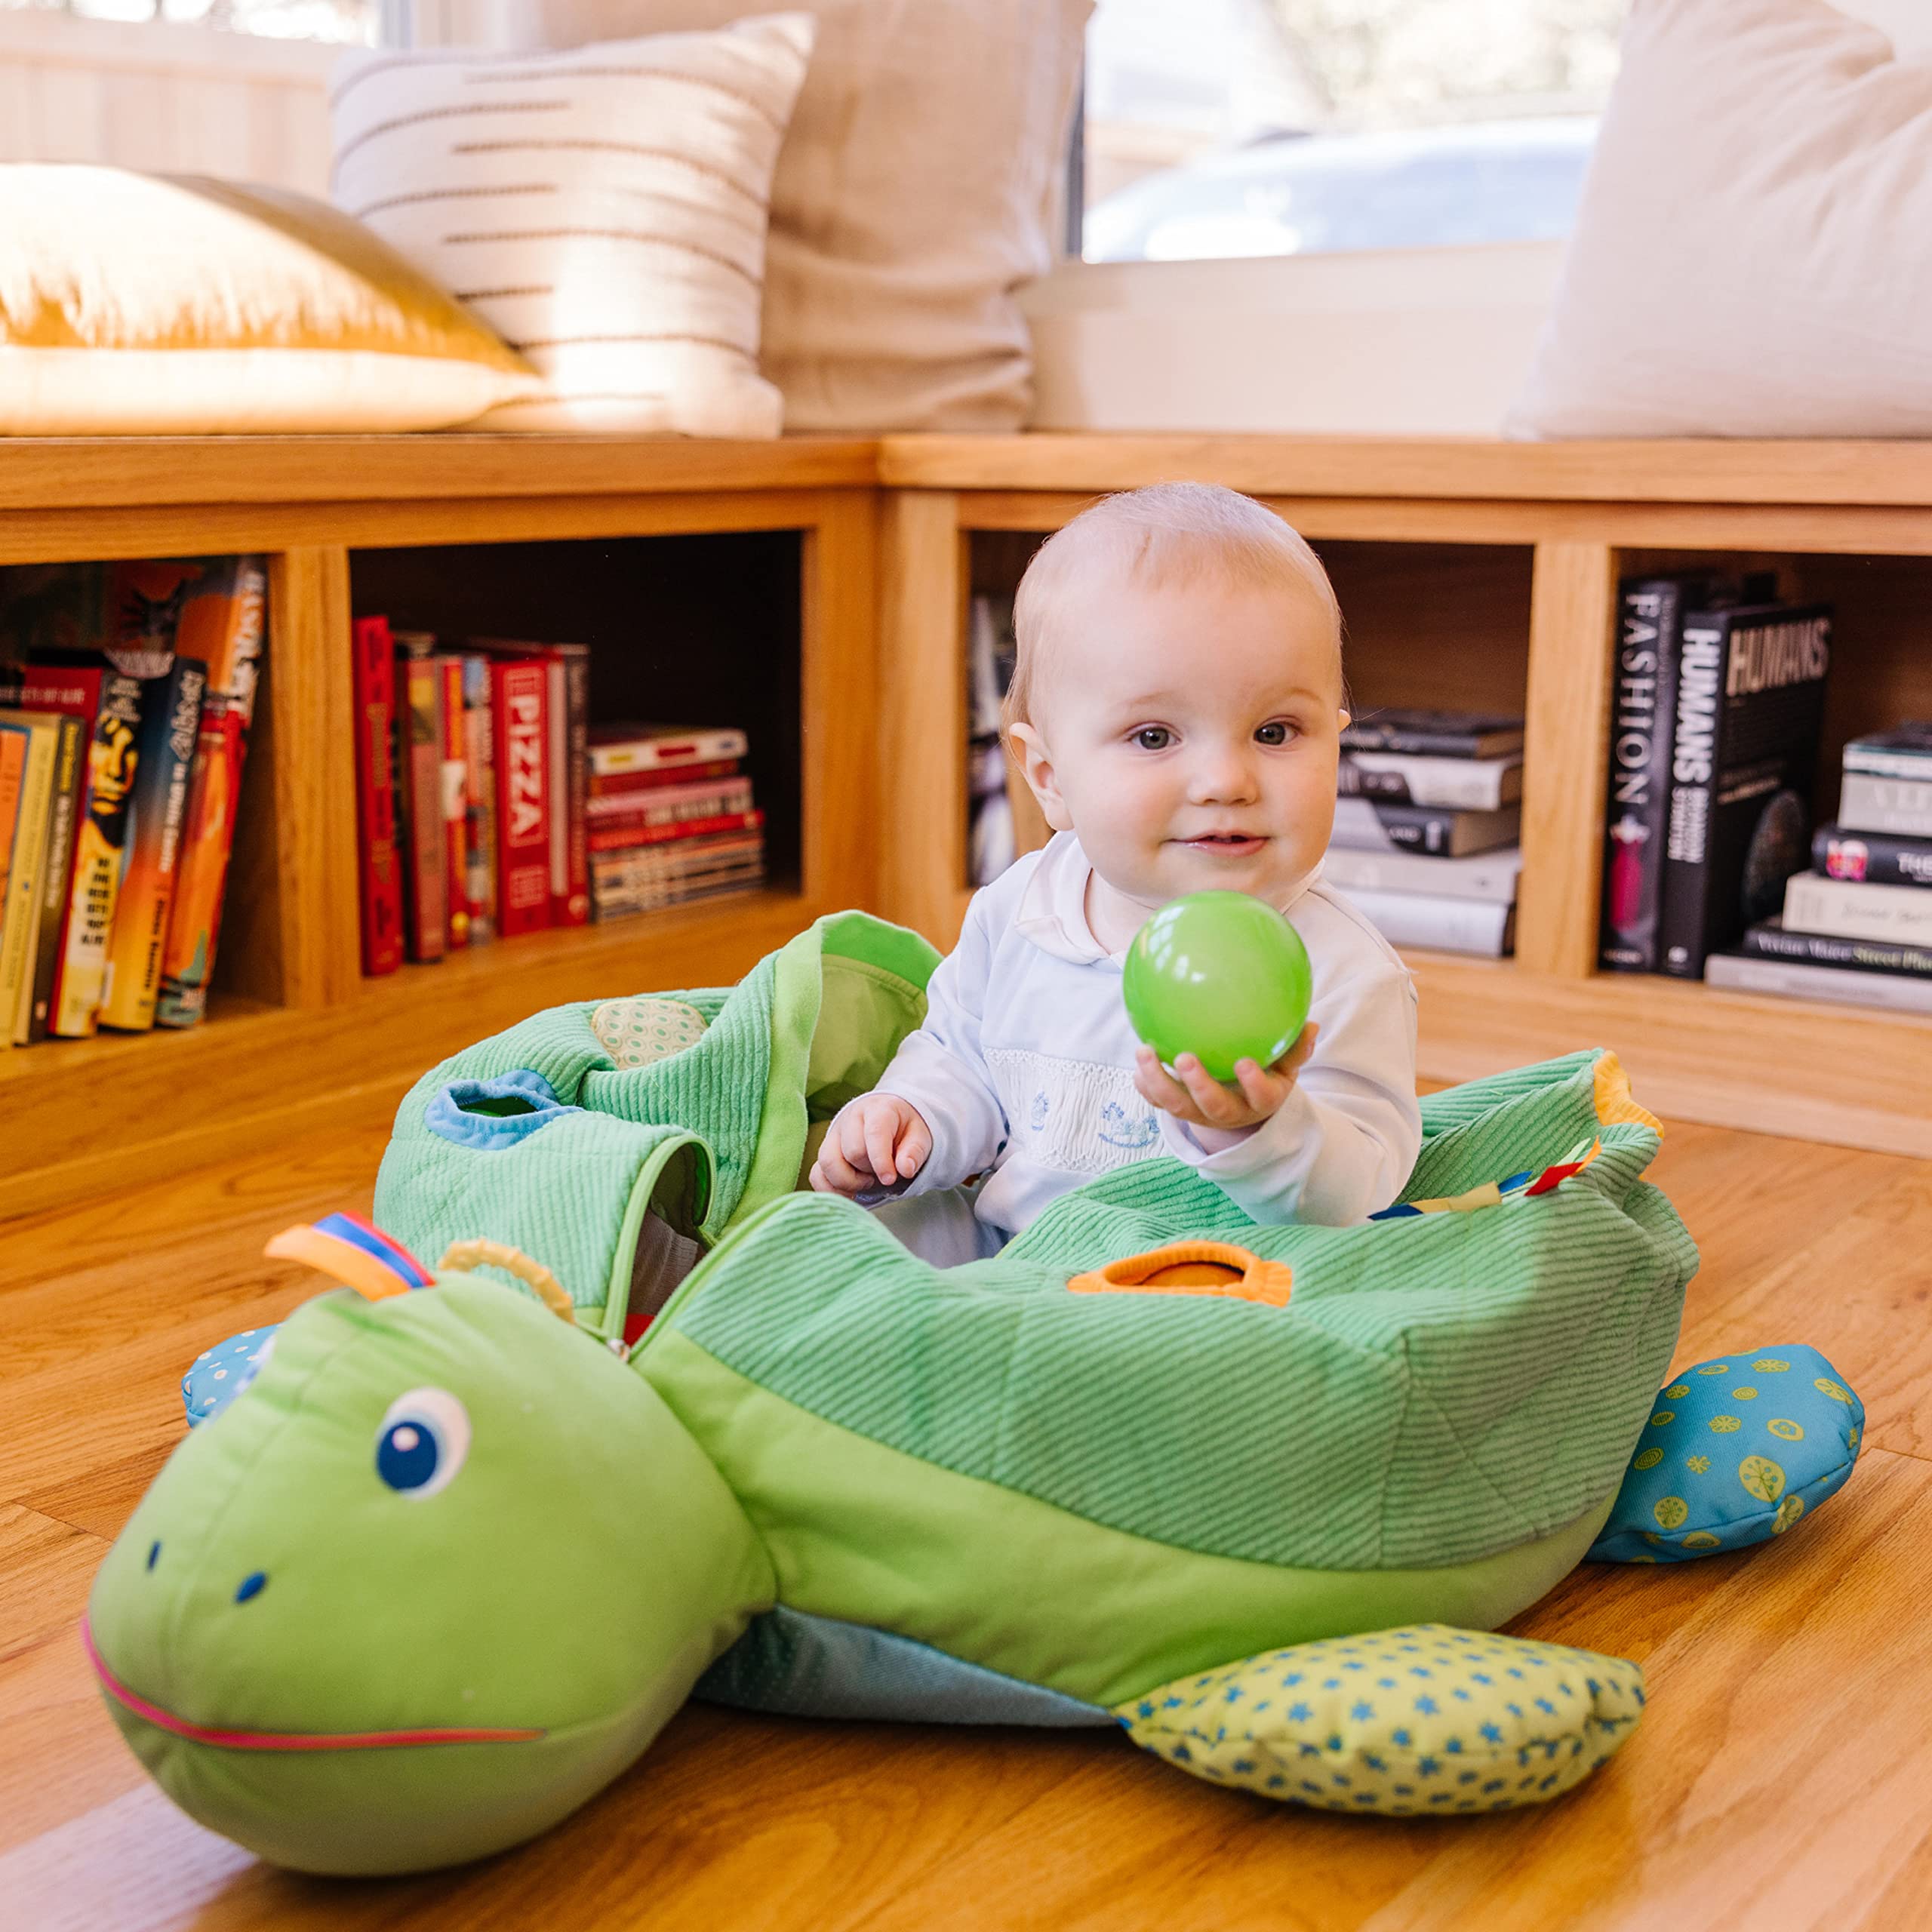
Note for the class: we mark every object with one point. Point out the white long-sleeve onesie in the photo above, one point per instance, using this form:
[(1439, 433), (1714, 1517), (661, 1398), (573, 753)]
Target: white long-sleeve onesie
[(1025, 1064)]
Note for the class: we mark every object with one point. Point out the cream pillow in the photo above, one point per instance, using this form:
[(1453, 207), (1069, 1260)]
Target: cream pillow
[(159, 305), (604, 209), (914, 194), (1749, 257)]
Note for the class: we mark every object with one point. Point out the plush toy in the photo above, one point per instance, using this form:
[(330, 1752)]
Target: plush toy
[(453, 1554)]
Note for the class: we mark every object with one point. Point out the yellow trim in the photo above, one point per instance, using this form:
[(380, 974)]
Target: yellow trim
[(1193, 1268), (1615, 1102), (341, 1260), (464, 1257)]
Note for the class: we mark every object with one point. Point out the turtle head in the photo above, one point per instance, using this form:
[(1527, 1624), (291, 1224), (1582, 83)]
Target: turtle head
[(439, 1574)]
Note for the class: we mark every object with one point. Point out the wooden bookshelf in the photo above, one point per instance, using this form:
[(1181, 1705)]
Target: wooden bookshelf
[(1470, 572), (1483, 574), (296, 1043)]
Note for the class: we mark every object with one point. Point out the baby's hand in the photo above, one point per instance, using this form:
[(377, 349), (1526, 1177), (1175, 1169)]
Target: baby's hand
[(1199, 1099), (876, 1141)]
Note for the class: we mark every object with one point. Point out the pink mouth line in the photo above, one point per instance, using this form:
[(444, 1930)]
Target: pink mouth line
[(284, 1740)]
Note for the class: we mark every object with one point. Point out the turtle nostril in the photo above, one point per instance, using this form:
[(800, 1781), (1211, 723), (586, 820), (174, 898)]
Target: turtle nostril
[(251, 1585), (154, 1552)]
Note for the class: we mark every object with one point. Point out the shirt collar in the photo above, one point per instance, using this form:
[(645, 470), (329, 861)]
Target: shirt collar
[(1053, 905)]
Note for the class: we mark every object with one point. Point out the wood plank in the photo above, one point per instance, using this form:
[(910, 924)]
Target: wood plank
[(1732, 1059), (290, 931), (840, 718), (921, 772), (1776, 1780), (83, 472), (1565, 756), (1659, 471), (251, 1074), (53, 535)]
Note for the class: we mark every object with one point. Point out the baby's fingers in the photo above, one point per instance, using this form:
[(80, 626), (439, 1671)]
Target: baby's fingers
[(885, 1123), (1158, 1087), (915, 1143), (1292, 1062), (1217, 1106), (832, 1174)]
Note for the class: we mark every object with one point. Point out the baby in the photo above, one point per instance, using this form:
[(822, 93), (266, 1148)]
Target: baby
[(1176, 704)]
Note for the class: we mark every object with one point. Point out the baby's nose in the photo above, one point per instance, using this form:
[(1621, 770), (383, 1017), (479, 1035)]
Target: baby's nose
[(1228, 779)]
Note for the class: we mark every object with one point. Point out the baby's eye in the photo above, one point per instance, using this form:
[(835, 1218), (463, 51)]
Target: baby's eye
[(1278, 733), (1153, 737)]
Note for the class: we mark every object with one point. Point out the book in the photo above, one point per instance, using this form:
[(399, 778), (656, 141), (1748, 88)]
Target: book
[(1489, 876), (1904, 752), (421, 837), (1836, 852), (108, 703), (666, 803), (607, 790), (1750, 706), (455, 773), (379, 863), (1448, 925), (1405, 778), (1746, 974), (16, 741), (27, 860), (658, 898), (170, 729), (479, 797), (1769, 939), (224, 623), (632, 839), (1643, 730), (1900, 807), (1843, 909), (674, 861), (56, 873), (569, 744), (520, 698), (618, 748), (1367, 826), (1434, 734)]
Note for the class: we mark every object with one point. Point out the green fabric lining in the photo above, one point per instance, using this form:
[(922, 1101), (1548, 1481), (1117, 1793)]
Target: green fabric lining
[(863, 1532)]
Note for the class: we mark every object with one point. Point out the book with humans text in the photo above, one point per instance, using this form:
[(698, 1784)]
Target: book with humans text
[(1642, 730), (1750, 704)]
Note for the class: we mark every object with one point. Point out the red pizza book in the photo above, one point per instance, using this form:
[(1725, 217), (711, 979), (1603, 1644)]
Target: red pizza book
[(455, 774), (378, 864), (519, 689)]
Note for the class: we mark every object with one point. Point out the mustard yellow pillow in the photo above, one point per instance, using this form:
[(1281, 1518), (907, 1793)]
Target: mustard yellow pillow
[(177, 305)]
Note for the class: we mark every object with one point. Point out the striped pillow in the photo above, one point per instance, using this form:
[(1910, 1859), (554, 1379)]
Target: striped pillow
[(604, 209)]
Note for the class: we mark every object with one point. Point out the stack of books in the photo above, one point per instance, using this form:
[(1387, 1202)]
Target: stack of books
[(1718, 700), (471, 769), (1857, 927), (1426, 827), (127, 694), (671, 818)]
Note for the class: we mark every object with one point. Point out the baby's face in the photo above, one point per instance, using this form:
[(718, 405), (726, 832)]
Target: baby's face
[(1189, 735)]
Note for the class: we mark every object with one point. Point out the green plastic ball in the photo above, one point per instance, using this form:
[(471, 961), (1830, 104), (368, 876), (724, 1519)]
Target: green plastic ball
[(1219, 975)]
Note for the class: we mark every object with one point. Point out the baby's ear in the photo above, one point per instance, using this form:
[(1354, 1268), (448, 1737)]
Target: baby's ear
[(1341, 719), (1036, 767)]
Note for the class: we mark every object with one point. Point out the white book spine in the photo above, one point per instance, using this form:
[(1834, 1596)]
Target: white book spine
[(1847, 910), (1489, 876), (1876, 763), (1447, 925), (1897, 992), (1899, 805), (1450, 784)]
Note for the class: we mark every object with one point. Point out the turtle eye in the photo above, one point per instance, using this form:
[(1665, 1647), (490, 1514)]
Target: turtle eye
[(422, 1443)]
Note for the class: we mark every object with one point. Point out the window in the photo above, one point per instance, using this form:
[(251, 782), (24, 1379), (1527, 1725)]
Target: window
[(1228, 128), (357, 21)]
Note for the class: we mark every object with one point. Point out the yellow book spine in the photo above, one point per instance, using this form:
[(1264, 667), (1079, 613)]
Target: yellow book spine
[(20, 916)]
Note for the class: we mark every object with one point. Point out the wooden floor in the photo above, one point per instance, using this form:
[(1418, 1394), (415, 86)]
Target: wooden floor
[(1779, 1779)]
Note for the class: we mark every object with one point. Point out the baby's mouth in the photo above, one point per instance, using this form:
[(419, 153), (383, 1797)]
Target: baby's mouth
[(1226, 844)]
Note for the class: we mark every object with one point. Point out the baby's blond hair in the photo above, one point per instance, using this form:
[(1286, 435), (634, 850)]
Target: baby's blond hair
[(1168, 533)]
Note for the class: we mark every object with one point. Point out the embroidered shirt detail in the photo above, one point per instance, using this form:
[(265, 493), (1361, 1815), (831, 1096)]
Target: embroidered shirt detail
[(1082, 1118)]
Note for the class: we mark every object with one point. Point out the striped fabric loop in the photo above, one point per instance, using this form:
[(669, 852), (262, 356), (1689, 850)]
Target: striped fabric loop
[(350, 1251)]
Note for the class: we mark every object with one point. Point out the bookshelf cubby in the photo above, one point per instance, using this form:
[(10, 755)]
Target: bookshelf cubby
[(817, 589), (723, 583)]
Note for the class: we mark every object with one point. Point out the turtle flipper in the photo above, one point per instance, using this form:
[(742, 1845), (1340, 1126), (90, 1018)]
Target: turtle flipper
[(1419, 1720)]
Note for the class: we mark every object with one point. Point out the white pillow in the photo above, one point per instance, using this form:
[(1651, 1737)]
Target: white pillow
[(913, 198), (1750, 256), (604, 209)]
